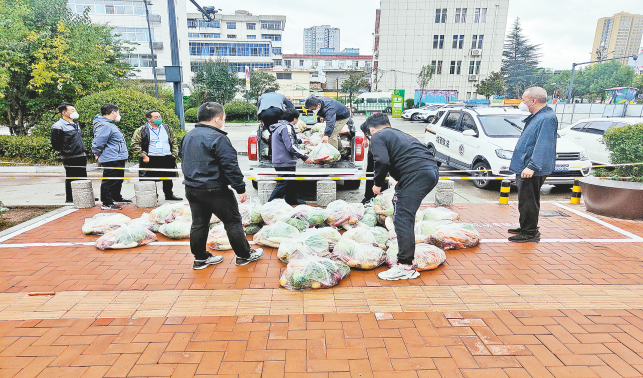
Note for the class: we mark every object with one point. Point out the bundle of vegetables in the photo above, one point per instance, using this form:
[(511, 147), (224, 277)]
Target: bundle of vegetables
[(424, 230), (440, 213), (319, 128), (103, 223), (369, 218), (313, 272), (303, 244), (383, 204), (340, 212), (276, 211), (176, 230), (355, 255), (218, 239), (388, 223), (126, 236), (250, 212), (361, 235), (315, 139), (253, 228), (214, 219), (324, 153), (427, 257), (331, 235), (167, 212), (299, 224), (144, 221), (381, 236), (313, 216), (456, 236), (272, 235), (301, 126)]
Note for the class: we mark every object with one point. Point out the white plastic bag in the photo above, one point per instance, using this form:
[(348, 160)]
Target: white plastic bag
[(274, 234), (126, 236), (303, 244), (456, 236), (426, 257), (383, 204), (167, 212), (276, 211), (218, 239), (331, 235), (144, 221), (324, 153), (361, 235), (424, 230), (102, 223), (313, 272), (440, 213), (313, 216), (355, 255), (176, 230)]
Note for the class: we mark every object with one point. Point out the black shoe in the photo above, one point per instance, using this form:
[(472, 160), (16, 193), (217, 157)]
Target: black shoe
[(123, 200), (172, 197), (111, 207), (255, 254), (296, 203), (524, 238), (202, 264), (514, 230)]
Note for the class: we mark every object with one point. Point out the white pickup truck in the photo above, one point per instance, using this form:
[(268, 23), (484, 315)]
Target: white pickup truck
[(350, 164)]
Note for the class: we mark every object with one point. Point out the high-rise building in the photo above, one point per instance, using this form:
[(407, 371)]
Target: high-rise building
[(241, 38), (463, 42), (616, 36), (321, 40)]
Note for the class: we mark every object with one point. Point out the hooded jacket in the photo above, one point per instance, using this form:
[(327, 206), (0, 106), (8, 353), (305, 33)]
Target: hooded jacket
[(284, 145), (332, 111), (109, 143), (67, 138), (536, 147)]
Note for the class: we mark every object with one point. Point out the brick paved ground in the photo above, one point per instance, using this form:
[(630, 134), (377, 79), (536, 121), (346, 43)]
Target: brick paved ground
[(499, 310)]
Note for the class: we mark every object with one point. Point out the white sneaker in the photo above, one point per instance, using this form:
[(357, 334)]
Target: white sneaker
[(202, 264), (399, 272)]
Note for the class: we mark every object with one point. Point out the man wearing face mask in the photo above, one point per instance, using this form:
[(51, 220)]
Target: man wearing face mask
[(333, 112), (110, 150), (156, 147), (67, 139), (533, 159)]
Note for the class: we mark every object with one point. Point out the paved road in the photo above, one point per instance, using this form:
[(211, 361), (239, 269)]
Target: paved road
[(51, 191)]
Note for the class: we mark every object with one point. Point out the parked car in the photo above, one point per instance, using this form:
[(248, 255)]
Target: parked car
[(417, 114), (484, 139), (588, 133), (429, 115)]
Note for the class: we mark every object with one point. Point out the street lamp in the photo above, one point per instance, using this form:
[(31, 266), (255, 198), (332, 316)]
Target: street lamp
[(571, 81)]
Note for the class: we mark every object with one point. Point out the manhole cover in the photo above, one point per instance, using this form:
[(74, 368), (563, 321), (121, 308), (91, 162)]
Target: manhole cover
[(552, 213)]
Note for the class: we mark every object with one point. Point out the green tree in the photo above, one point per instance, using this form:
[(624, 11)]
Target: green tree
[(590, 82), (355, 82), (494, 84), (215, 82), (260, 82), (638, 84), (50, 55), (425, 75), (520, 60)]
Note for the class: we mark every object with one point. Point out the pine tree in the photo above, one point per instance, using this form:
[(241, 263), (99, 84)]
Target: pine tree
[(520, 61)]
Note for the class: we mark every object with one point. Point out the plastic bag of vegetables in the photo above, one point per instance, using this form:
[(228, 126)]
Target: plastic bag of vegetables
[(313, 272), (324, 153), (314, 216), (389, 224), (255, 211), (253, 228), (424, 230), (103, 223), (427, 257), (315, 139), (391, 252), (176, 230), (276, 211), (126, 236), (369, 218), (337, 213), (303, 244), (356, 255), (299, 224), (331, 235), (167, 212), (381, 236), (440, 213), (144, 221), (383, 204), (456, 236), (274, 234), (218, 239), (360, 235)]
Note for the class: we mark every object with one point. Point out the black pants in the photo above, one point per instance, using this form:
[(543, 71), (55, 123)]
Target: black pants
[(74, 172), (160, 162), (409, 193), (529, 203), (370, 166), (286, 189), (110, 190), (270, 116), (223, 204)]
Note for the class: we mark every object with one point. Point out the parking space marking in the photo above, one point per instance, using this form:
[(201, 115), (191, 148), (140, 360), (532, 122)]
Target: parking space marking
[(37, 224), (602, 223)]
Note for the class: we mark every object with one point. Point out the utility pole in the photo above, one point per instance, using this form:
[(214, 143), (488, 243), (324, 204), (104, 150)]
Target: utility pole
[(149, 36), (571, 81), (176, 62)]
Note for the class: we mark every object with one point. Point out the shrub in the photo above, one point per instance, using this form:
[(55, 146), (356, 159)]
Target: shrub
[(28, 149), (190, 115), (626, 146), (240, 110), (409, 103)]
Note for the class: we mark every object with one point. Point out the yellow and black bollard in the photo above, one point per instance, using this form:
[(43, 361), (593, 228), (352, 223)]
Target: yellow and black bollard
[(505, 188), (576, 193)]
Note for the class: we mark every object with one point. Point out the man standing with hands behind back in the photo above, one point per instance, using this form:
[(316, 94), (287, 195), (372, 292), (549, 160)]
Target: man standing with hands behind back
[(534, 158), (67, 139)]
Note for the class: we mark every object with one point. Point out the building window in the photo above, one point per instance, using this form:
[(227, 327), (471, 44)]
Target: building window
[(194, 23), (356, 63), (231, 25), (252, 37), (476, 42), (459, 15), (452, 68), (438, 69), (458, 41), (458, 67), (277, 62), (287, 63), (140, 60), (440, 16), (271, 25), (106, 7), (276, 50), (251, 26), (441, 42), (480, 15), (434, 65), (229, 49), (301, 63), (478, 68), (438, 41), (272, 37), (204, 35), (232, 36), (134, 34), (328, 63), (315, 63), (472, 67), (284, 76)]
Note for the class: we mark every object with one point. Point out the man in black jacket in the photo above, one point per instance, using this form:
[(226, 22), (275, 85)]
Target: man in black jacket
[(67, 139), (209, 164), (370, 165), (410, 163), (334, 113)]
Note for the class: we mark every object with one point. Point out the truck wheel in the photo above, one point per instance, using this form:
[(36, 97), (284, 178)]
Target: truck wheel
[(483, 184), (255, 184), (352, 184)]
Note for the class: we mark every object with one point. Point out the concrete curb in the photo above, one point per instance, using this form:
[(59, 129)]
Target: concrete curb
[(37, 219)]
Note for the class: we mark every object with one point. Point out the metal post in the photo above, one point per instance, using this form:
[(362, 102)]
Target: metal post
[(149, 36), (571, 84), (174, 43)]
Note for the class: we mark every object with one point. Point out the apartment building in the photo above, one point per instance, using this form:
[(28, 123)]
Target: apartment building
[(321, 40), (330, 70), (616, 36)]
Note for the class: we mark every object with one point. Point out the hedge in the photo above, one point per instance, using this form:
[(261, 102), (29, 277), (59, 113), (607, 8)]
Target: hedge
[(191, 115), (626, 146), (27, 149), (240, 110)]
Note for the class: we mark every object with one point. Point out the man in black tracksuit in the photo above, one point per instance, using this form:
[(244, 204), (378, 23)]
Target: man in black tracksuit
[(370, 165), (412, 165), (67, 139), (209, 164)]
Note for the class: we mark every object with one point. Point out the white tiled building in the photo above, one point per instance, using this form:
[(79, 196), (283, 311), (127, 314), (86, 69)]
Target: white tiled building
[(462, 39), (241, 38), (329, 70), (321, 40), (128, 19)]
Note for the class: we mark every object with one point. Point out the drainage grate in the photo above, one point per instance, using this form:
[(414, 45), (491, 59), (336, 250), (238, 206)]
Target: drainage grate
[(552, 213)]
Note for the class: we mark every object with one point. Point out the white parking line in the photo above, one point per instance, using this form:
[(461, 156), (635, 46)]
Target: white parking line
[(602, 223)]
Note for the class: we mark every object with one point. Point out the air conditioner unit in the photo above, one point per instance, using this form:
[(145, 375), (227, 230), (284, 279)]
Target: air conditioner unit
[(157, 45), (474, 77), (476, 52)]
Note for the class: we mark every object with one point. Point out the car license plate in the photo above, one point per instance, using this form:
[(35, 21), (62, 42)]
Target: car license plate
[(561, 168)]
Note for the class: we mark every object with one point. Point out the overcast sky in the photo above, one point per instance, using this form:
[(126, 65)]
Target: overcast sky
[(564, 27)]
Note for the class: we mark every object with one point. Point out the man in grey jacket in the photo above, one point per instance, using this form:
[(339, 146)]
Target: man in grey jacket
[(334, 113), (284, 156), (271, 107), (67, 139), (110, 150)]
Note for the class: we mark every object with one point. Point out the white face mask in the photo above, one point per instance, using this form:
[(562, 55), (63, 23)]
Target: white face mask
[(316, 110), (118, 118), (74, 115), (523, 107)]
